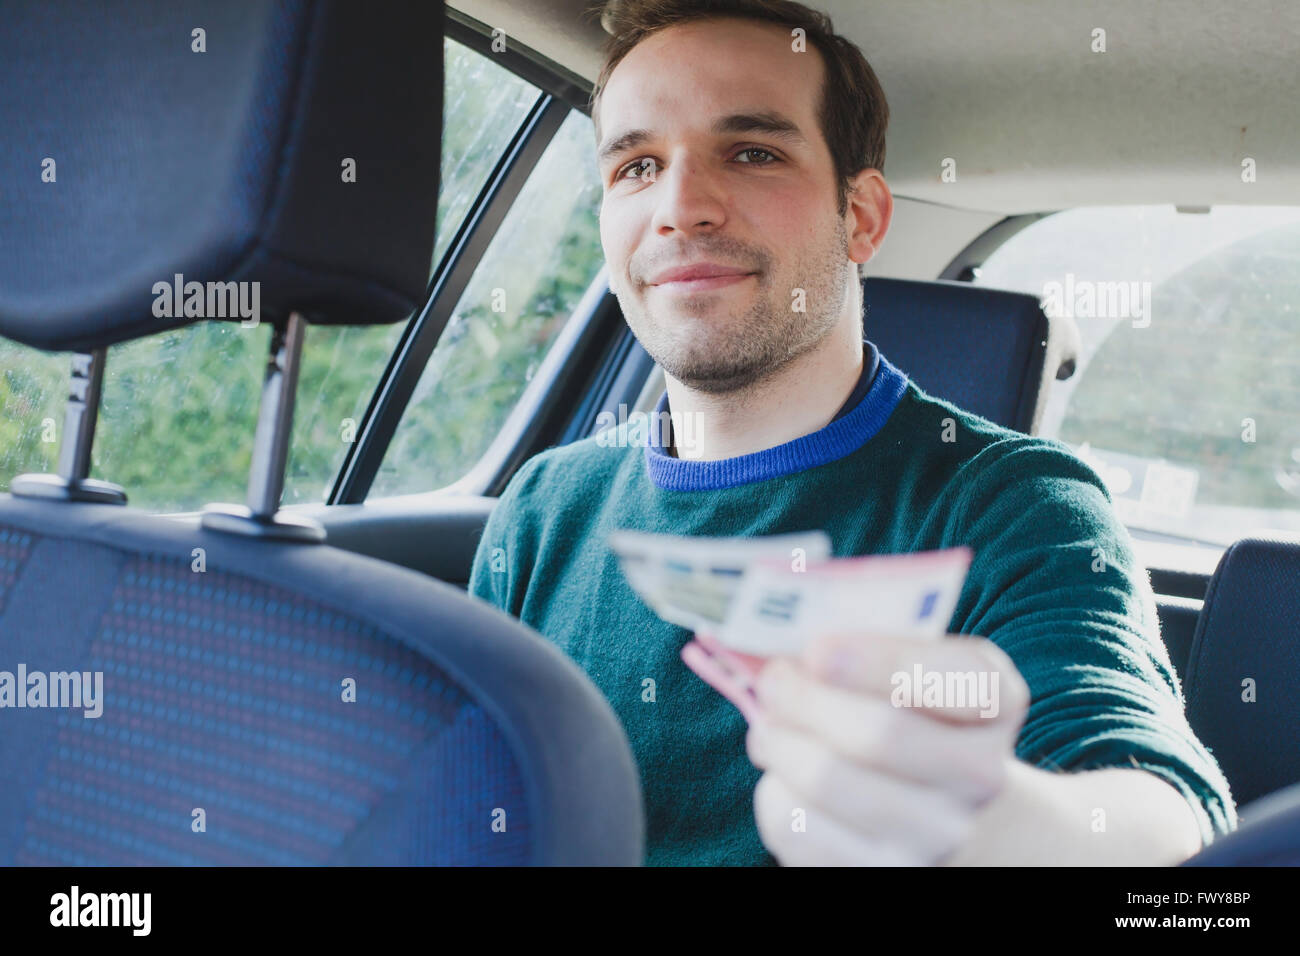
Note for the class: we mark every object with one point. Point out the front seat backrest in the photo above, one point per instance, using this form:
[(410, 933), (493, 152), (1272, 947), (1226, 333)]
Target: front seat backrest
[(232, 690), (988, 351), (1243, 674)]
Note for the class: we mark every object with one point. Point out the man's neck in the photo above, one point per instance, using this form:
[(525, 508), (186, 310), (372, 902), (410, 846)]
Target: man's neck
[(801, 398)]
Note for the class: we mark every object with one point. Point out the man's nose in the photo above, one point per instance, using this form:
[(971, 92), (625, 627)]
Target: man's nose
[(689, 197)]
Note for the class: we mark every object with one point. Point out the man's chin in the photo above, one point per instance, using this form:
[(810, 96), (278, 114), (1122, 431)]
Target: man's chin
[(712, 354), (705, 373)]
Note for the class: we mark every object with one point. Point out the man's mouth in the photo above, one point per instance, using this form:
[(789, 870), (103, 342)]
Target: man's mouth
[(700, 276), (704, 284)]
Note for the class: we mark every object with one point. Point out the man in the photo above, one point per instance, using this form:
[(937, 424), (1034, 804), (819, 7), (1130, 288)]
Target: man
[(740, 149)]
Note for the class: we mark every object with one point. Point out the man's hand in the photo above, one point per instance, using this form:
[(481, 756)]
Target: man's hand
[(881, 750)]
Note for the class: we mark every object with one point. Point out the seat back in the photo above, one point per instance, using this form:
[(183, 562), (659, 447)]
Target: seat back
[(267, 702), (1270, 836), (987, 351), (1243, 674), (235, 691)]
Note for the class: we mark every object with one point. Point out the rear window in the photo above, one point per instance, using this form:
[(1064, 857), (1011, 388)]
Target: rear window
[(1187, 394)]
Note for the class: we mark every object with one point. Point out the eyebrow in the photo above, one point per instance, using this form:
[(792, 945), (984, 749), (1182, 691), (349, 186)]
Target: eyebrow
[(765, 123)]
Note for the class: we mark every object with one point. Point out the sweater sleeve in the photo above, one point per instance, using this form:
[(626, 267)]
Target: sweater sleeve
[(503, 558), (1055, 583)]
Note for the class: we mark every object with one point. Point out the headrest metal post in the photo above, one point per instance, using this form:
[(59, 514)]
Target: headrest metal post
[(81, 413), (275, 418), (261, 517), (79, 419)]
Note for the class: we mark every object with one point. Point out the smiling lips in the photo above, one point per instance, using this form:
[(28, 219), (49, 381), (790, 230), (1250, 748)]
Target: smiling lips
[(699, 277)]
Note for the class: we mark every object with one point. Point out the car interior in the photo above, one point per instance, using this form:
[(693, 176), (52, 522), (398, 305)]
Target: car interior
[(1119, 143)]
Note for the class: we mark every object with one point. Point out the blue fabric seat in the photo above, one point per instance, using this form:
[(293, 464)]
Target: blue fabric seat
[(223, 691), (1269, 835), (988, 351), (1243, 674)]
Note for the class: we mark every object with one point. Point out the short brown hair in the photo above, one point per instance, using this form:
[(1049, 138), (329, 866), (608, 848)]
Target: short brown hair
[(853, 111)]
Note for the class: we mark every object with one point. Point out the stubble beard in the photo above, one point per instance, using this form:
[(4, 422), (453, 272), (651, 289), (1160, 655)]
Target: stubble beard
[(719, 352)]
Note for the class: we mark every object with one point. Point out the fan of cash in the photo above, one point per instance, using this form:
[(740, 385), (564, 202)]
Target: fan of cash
[(768, 596)]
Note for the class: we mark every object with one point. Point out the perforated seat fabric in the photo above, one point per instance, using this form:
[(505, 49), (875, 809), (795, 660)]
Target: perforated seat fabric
[(225, 694), (471, 739), (1243, 673)]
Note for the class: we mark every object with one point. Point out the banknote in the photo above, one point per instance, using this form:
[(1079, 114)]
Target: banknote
[(751, 599), (765, 595), (691, 581), (777, 609)]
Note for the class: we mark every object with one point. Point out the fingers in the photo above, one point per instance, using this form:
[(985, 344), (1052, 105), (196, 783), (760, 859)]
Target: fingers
[(745, 663), (735, 685), (880, 807), (882, 749), (798, 834), (971, 678), (964, 758)]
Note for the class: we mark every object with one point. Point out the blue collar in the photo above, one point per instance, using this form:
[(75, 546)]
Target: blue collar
[(841, 437)]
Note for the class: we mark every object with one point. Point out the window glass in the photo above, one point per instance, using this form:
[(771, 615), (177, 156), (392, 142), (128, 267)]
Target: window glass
[(179, 410), (33, 390), (341, 366), (536, 269), (178, 414), (175, 420), (483, 107), (1187, 395)]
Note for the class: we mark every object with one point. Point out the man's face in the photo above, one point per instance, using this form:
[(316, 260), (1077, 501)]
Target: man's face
[(744, 198)]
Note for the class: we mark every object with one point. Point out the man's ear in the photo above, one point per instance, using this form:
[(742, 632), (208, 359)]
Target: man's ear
[(871, 209)]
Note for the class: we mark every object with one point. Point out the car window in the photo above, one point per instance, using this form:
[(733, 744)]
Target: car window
[(33, 392), (175, 420), (483, 107), (537, 267), (1186, 399), (179, 408)]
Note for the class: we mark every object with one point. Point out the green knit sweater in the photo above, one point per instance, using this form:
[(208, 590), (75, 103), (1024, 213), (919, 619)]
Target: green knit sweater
[(1054, 583)]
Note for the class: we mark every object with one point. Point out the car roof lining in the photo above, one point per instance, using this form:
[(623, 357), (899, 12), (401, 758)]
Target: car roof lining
[(1034, 119)]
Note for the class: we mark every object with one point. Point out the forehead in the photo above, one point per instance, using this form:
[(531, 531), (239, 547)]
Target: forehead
[(690, 74)]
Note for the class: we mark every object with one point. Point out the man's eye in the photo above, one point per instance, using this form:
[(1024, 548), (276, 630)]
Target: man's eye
[(756, 149), (637, 165)]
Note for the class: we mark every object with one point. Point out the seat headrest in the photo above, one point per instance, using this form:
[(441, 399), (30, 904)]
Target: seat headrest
[(989, 351), (288, 143)]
